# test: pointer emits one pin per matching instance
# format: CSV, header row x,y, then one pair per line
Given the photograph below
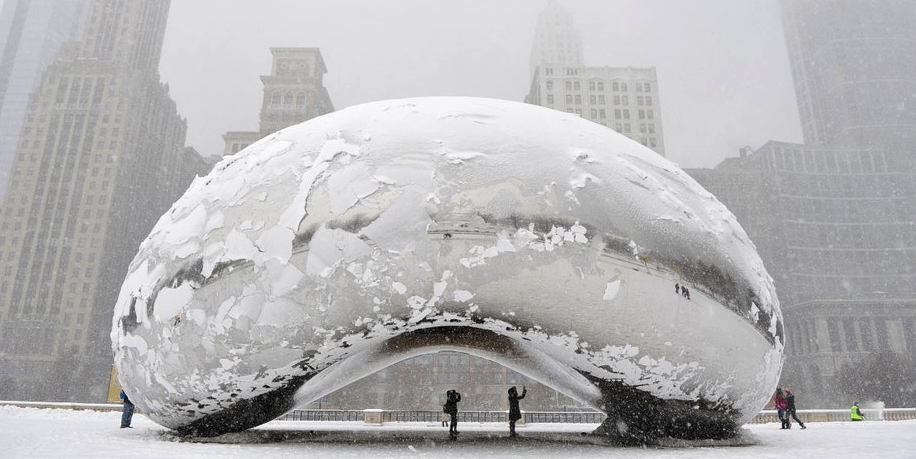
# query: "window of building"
x,y
649,114
602,113
594,113
648,100
591,85
593,99
618,114
652,142
578,99
625,100
548,71
577,86
642,114
550,85
647,87
626,128
601,100
623,86
601,86
640,100
549,98
615,86
569,99
618,127
626,114
616,100
300,99
651,128
275,98
568,85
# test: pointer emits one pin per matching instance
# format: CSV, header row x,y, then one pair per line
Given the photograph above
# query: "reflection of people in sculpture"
x,y
452,397
515,413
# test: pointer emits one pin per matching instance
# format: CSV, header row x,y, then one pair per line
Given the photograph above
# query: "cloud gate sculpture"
x,y
526,236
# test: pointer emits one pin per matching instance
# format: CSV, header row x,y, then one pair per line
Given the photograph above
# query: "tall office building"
x,y
100,158
556,40
293,92
854,67
31,34
625,99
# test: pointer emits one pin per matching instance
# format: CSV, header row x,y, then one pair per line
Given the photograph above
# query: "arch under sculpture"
x,y
527,236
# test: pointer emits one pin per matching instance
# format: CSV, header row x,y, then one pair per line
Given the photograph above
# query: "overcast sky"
x,y
722,68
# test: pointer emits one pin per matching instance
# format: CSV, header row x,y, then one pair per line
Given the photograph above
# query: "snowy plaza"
x,y
57,433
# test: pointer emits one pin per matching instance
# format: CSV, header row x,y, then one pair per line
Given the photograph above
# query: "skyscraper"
x,y
100,158
834,219
854,67
31,34
556,40
625,99
293,93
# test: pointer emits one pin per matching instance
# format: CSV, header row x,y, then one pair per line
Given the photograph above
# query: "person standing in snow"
x,y
128,413
790,408
855,414
515,413
452,397
779,400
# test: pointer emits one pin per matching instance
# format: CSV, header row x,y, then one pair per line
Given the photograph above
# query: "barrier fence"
x,y
531,417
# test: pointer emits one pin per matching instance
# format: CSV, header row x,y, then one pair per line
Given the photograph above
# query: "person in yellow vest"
x,y
855,414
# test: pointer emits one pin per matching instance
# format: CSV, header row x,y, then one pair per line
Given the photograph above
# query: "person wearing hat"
x,y
790,407
855,414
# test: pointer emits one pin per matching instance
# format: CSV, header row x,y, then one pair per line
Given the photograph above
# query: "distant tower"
x,y
293,93
854,67
100,158
31,33
556,40
625,99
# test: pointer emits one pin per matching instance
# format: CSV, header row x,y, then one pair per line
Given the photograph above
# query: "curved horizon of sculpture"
x,y
530,237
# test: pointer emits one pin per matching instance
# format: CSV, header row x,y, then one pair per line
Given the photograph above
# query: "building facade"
x,y
854,67
835,228
625,99
31,34
100,158
293,92
556,40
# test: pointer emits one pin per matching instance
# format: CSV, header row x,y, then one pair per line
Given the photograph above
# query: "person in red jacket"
x,y
781,408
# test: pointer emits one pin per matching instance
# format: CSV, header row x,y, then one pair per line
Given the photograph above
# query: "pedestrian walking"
x,y
128,412
779,400
790,408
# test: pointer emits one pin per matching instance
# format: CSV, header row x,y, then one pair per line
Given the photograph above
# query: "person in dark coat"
x,y
128,413
452,397
515,413
790,408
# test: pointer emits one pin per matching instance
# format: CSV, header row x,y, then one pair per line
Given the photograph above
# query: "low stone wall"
x,y
871,414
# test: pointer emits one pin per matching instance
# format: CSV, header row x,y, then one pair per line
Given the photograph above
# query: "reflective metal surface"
x,y
523,235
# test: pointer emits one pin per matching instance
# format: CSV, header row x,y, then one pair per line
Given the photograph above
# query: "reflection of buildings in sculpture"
x,y
420,383
31,34
834,226
293,93
100,158
625,99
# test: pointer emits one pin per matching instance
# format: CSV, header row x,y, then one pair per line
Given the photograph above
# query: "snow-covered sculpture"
x,y
530,237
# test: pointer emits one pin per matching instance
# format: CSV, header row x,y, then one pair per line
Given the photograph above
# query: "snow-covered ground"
x,y
62,434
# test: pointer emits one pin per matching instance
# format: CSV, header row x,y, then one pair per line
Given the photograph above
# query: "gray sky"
x,y
722,67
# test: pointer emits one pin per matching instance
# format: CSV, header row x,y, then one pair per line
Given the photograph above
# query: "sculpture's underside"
x,y
541,241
